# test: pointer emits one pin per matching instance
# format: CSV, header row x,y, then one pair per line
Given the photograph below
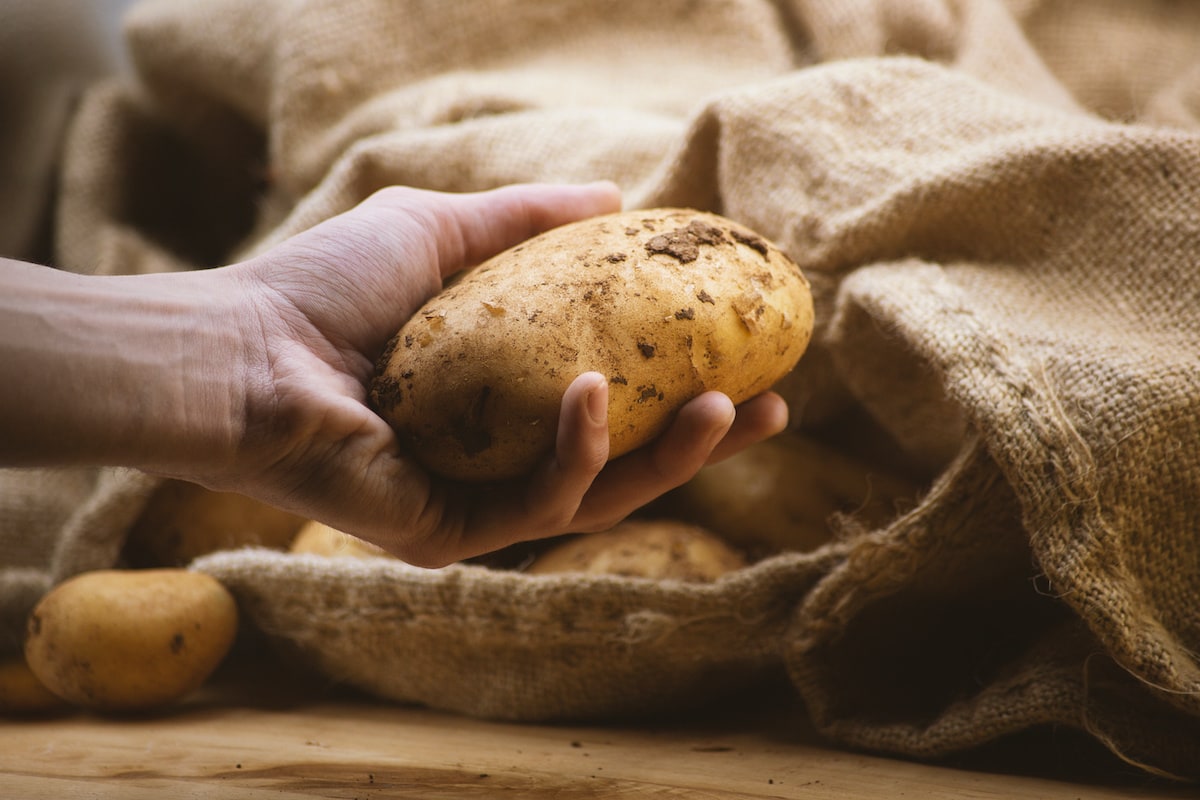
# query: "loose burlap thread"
x,y
1002,240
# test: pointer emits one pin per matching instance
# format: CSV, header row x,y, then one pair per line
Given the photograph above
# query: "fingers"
x,y
581,447
757,419
579,492
637,478
548,502
576,490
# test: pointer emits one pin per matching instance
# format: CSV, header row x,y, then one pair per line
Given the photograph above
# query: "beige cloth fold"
x,y
1000,230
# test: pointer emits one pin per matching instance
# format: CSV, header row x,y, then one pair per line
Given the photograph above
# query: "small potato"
x,y
643,548
183,521
666,303
126,640
320,539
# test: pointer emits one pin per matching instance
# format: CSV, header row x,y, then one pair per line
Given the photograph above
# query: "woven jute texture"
x,y
996,204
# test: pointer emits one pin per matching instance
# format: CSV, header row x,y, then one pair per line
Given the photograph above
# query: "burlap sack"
x,y
1002,239
507,645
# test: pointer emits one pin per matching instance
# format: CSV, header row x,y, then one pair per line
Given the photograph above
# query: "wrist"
x,y
116,370
192,378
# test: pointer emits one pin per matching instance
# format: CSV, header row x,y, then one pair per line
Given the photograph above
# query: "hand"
x,y
325,304
253,378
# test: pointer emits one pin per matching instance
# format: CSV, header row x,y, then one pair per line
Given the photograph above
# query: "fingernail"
x,y
597,404
718,432
605,186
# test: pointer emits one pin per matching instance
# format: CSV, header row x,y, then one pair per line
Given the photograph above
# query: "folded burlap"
x,y
1003,247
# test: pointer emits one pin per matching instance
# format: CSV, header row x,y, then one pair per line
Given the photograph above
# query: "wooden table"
x,y
251,734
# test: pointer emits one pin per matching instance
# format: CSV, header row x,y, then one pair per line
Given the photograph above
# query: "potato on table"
x,y
667,303
127,640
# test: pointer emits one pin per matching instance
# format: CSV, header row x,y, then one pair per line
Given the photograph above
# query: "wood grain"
x,y
265,737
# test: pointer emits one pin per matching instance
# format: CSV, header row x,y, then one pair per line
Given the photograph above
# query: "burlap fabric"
x,y
996,205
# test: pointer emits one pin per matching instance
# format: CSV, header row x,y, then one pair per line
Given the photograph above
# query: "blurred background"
x,y
49,50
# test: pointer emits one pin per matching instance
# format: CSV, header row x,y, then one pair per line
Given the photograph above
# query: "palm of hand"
x,y
325,303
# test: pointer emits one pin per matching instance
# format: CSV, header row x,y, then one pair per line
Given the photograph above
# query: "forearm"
x,y
132,371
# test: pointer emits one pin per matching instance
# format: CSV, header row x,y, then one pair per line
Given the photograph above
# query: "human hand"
x,y
253,378
327,301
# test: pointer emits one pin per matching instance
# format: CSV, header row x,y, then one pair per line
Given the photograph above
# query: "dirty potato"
x,y
126,640
666,303
661,549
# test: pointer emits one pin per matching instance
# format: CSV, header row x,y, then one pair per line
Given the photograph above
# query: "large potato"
x,y
666,303
122,640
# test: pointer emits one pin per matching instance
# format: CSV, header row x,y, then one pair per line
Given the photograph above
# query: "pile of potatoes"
x,y
141,638
667,303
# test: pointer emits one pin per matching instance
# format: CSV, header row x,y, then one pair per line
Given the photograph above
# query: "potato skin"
x,y
183,521
781,494
129,640
666,303
658,549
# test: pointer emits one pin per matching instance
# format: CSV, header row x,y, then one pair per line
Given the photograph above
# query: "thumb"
x,y
358,276
469,228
